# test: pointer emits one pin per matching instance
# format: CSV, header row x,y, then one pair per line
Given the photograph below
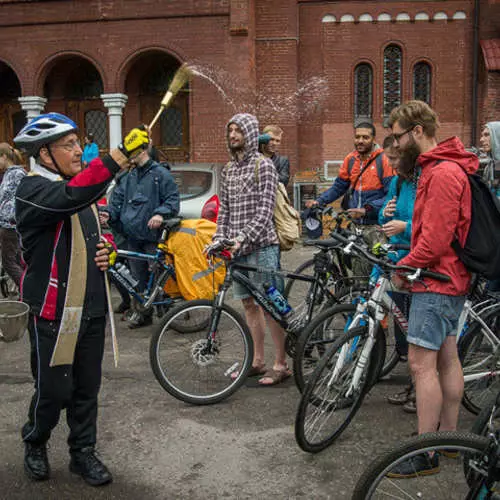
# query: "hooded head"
x,y
248,126
490,140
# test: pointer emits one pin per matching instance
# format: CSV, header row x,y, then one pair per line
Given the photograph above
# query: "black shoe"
x,y
139,320
419,465
122,307
85,463
36,463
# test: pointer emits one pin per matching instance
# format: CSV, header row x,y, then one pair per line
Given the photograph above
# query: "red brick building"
x,y
313,67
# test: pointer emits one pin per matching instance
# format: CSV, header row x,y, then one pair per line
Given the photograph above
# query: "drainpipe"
x,y
475,74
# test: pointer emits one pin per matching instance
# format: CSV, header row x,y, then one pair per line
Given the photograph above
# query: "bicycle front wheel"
x,y
333,395
479,353
192,366
457,475
316,338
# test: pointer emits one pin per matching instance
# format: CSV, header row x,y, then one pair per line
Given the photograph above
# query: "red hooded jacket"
x,y
442,210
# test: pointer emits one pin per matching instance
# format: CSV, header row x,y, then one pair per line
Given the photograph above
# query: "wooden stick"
x,y
180,78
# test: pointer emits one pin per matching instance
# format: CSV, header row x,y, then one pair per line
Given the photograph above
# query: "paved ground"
x,y
160,448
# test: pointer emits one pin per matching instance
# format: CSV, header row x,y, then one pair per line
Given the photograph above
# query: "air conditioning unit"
x,y
331,169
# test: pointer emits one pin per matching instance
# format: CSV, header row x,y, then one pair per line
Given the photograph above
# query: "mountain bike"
x,y
212,360
161,270
325,329
352,364
460,465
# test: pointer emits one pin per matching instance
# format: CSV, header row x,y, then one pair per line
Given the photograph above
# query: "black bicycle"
x,y
458,465
211,360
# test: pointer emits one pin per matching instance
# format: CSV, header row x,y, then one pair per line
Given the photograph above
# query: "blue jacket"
x,y
145,191
90,151
404,211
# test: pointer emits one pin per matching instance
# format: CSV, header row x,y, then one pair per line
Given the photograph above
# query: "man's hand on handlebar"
x,y
399,281
311,203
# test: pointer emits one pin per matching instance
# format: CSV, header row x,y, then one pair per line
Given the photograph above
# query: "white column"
x,y
33,105
115,104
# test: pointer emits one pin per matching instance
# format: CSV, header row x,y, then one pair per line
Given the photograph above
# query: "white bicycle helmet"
x,y
43,130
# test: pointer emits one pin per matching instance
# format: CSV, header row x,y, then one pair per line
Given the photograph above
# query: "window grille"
x,y
363,92
171,127
422,77
392,78
96,123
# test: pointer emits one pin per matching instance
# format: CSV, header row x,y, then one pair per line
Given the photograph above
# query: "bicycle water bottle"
x,y
279,302
126,275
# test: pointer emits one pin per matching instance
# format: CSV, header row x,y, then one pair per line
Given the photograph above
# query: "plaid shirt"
x,y
248,194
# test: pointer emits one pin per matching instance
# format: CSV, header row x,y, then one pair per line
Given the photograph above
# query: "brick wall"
x,y
269,48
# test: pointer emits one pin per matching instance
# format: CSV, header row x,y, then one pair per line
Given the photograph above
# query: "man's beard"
x,y
236,148
408,159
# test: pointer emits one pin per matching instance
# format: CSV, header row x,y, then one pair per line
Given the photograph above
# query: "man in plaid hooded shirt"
x,y
247,196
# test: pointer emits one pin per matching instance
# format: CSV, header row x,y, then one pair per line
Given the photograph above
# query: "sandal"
x,y
276,376
253,372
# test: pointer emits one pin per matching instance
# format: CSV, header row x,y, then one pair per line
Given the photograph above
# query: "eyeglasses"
x,y
68,146
397,137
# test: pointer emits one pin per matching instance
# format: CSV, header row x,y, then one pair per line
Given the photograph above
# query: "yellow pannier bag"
x,y
195,279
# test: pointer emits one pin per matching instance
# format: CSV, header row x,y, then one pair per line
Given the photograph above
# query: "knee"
x,y
418,367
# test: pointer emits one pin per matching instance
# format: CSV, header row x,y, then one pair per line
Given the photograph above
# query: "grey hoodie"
x,y
491,172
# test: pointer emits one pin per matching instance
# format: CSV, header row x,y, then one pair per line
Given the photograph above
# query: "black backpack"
x,y
481,253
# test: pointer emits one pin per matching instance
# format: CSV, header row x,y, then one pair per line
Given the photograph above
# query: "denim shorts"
x,y
433,317
264,257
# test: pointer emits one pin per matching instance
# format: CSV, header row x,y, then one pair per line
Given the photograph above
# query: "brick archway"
x,y
12,118
73,85
146,78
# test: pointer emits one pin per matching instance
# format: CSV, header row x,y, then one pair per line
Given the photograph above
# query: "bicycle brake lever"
x,y
415,276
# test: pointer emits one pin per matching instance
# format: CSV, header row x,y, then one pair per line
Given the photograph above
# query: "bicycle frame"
x,y
155,284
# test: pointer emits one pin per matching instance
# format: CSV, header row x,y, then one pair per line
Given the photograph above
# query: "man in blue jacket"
x,y
145,197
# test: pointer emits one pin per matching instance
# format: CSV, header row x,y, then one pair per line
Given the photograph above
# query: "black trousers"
x,y
74,387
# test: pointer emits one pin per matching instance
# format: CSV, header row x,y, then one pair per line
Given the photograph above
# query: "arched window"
x,y
422,79
392,78
363,91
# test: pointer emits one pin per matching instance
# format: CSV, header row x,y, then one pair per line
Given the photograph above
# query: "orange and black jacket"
x,y
369,191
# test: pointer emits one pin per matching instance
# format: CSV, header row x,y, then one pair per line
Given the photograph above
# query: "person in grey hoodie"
x,y
490,144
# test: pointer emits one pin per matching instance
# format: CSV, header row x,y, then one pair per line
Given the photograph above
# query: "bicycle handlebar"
x,y
374,260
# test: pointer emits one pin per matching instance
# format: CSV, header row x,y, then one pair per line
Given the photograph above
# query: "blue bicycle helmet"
x,y
43,130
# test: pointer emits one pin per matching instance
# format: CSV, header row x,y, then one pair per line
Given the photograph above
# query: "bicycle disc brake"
x,y
203,353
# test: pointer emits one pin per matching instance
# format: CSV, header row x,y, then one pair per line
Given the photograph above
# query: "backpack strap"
x,y
350,165
258,161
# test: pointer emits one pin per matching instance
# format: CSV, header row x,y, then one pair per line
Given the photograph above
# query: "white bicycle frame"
x,y
380,302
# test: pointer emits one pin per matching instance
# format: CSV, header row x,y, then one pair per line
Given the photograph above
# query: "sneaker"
x,y
138,320
122,307
419,465
36,462
85,463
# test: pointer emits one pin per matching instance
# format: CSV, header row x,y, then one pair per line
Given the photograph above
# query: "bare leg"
x,y
452,384
423,366
255,320
278,335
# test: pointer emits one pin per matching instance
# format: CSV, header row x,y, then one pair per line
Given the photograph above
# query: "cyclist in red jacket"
x,y
442,212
